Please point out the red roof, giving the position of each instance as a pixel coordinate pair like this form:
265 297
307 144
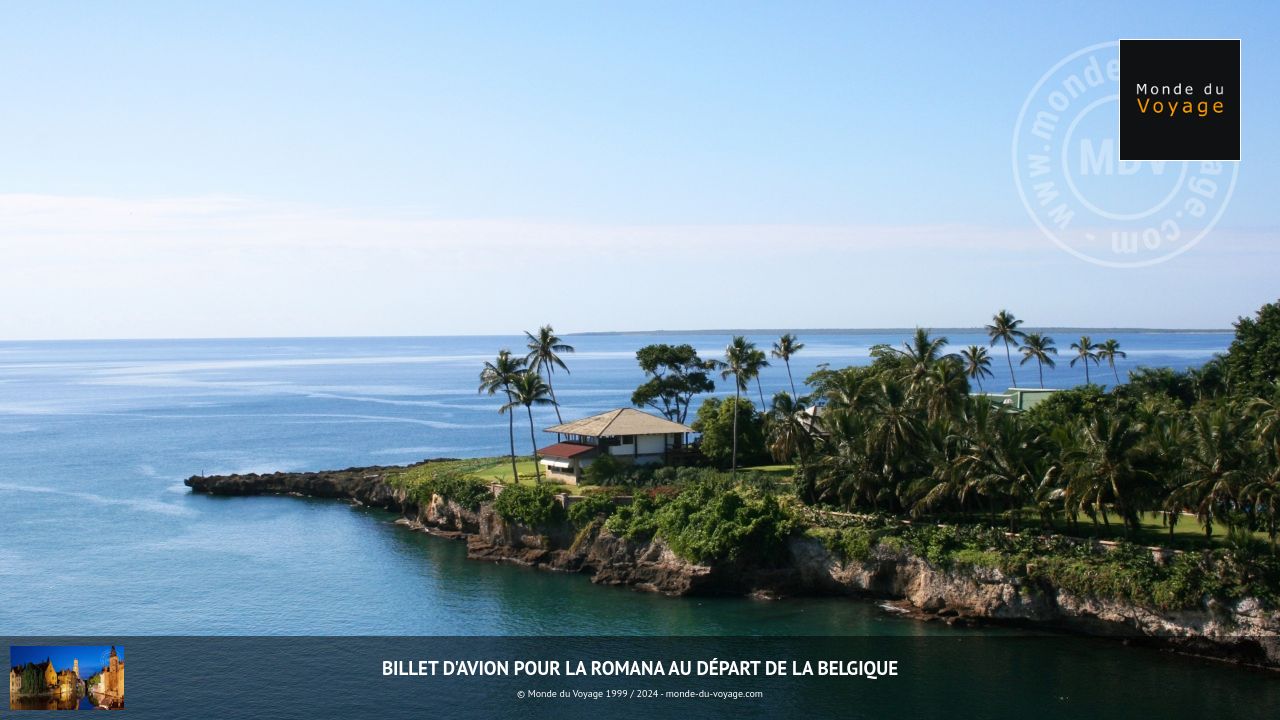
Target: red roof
565 450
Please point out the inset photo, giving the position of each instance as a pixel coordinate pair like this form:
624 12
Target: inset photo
66 677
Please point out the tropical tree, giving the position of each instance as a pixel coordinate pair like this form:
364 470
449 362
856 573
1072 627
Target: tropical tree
1086 353
1109 350
740 361
675 374
1039 347
787 429
544 357
920 353
499 375
977 363
529 389
784 349
1253 360
1215 462
1004 327
758 362
1105 468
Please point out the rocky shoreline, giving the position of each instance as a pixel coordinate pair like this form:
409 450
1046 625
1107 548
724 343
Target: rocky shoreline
1243 632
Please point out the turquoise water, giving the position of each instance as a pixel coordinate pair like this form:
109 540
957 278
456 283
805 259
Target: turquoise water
100 536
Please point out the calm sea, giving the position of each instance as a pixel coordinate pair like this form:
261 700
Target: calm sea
96 438
98 535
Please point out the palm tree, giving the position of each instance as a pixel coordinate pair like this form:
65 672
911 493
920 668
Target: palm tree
787 429
499 375
977 363
528 389
1109 351
739 358
758 362
1107 467
1084 348
1215 461
1039 347
1004 326
543 358
784 349
922 351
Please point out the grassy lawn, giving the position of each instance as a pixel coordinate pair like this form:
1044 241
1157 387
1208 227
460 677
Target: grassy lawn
499 469
1187 534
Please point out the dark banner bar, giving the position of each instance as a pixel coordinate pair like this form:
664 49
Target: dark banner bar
567 677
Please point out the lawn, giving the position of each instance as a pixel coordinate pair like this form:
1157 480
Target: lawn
1187 533
499 469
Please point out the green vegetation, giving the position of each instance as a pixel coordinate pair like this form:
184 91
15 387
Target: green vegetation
730 438
674 374
710 520
589 509
453 480
1125 571
533 506
898 455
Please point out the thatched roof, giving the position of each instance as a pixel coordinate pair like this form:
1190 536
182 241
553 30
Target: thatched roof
623 421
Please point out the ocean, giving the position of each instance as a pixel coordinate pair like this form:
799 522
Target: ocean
101 538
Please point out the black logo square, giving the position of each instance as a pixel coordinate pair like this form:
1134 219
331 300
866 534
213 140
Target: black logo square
1179 99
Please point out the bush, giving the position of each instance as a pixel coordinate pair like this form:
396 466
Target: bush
590 508
530 505
603 470
449 480
707 522
637 521
715 422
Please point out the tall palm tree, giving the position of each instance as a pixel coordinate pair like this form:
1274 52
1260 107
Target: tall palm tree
921 352
758 362
1109 351
1004 326
1106 468
1039 347
1215 463
739 361
788 429
544 358
528 389
1085 352
784 349
499 375
977 363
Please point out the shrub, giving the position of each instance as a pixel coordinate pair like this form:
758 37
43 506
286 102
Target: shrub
708 522
603 470
637 521
449 480
715 422
530 505
590 508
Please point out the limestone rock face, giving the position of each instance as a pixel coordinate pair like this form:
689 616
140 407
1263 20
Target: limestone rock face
1245 631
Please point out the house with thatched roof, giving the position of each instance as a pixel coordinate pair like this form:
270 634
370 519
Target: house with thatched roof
627 434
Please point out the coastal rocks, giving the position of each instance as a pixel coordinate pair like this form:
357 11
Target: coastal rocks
1244 632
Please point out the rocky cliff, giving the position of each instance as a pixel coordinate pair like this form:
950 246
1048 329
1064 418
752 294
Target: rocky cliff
1243 632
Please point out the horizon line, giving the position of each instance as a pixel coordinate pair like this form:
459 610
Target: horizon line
659 331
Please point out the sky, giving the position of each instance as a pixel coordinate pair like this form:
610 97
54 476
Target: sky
242 169
92 657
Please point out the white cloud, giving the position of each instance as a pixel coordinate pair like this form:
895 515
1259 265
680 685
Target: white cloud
225 266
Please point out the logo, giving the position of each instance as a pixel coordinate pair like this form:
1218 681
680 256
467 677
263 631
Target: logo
1082 196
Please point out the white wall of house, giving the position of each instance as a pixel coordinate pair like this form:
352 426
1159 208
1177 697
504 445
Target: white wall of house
644 445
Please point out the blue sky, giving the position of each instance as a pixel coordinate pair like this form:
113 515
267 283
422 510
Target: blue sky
92 657
414 168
